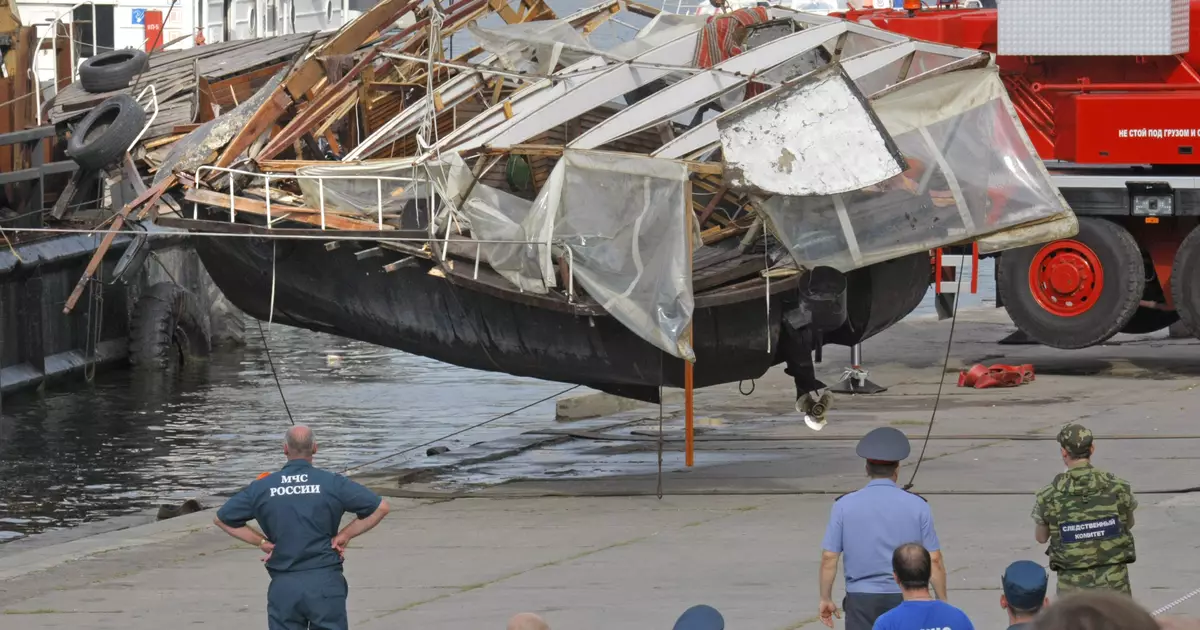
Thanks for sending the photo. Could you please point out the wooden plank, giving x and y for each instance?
(310, 216)
(260, 122)
(346, 40)
(643, 10)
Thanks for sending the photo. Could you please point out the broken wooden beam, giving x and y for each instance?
(149, 196)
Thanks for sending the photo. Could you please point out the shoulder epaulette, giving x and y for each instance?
(917, 495)
(840, 498)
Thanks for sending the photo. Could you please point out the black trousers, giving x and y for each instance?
(862, 609)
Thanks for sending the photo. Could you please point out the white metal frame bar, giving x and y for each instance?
(53, 33)
(707, 85)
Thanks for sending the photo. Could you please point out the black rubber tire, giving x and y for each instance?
(1148, 320)
(168, 329)
(111, 71)
(104, 135)
(1185, 282)
(1124, 283)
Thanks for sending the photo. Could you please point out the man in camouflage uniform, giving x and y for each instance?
(1086, 515)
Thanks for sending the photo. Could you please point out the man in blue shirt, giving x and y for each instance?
(299, 509)
(867, 526)
(1024, 583)
(912, 567)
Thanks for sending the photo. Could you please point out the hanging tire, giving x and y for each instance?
(1185, 282)
(168, 329)
(104, 135)
(1074, 293)
(111, 71)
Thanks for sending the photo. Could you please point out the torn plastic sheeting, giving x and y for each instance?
(495, 215)
(815, 137)
(971, 172)
(354, 187)
(625, 219)
(934, 99)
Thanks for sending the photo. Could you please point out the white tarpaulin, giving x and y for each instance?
(815, 137)
(625, 222)
(971, 173)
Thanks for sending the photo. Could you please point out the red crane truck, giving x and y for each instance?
(1111, 101)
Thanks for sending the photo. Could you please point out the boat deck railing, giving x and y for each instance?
(379, 180)
(320, 179)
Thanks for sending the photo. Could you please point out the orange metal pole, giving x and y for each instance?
(689, 451)
(689, 414)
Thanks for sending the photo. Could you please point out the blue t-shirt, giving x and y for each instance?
(923, 615)
(299, 509)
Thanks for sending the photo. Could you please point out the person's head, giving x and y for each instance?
(1095, 610)
(299, 443)
(883, 470)
(1024, 584)
(1075, 441)
(527, 621)
(912, 566)
(700, 618)
(883, 448)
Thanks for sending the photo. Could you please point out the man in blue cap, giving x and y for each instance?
(1024, 583)
(867, 526)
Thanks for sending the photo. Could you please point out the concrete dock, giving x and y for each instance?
(570, 525)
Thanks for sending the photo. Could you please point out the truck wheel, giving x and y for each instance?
(1185, 282)
(167, 329)
(1074, 293)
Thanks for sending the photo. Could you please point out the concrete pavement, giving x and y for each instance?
(740, 531)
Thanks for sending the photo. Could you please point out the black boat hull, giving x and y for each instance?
(409, 309)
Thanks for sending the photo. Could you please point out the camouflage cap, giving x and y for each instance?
(1076, 438)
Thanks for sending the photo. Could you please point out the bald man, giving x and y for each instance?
(527, 621)
(299, 509)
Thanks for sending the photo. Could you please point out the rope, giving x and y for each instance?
(267, 347)
(460, 431)
(937, 279)
(274, 373)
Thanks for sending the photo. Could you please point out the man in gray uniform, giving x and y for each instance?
(299, 509)
(867, 525)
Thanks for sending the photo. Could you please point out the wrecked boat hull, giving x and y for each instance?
(411, 310)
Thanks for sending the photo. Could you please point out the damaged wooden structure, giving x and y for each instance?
(648, 214)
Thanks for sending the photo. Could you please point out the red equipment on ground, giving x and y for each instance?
(982, 376)
(1120, 136)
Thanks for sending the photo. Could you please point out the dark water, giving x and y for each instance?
(122, 445)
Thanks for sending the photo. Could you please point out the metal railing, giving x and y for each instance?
(379, 180)
(146, 127)
(53, 32)
(320, 179)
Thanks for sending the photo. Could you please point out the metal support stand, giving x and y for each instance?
(854, 380)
